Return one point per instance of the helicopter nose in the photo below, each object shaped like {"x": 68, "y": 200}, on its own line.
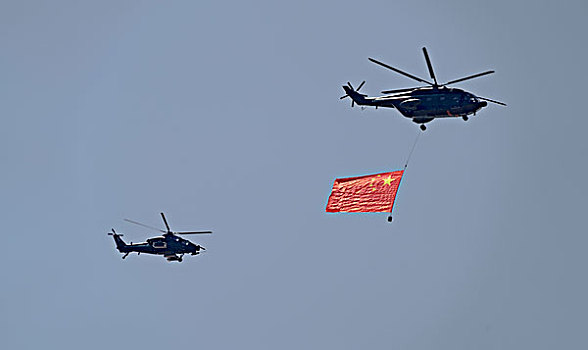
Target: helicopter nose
{"x": 196, "y": 249}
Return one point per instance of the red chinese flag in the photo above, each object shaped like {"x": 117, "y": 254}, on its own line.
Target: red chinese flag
{"x": 365, "y": 194}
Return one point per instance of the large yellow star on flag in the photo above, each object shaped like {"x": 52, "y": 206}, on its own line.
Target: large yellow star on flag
{"x": 389, "y": 179}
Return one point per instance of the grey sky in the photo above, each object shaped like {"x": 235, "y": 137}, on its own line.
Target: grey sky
{"x": 225, "y": 115}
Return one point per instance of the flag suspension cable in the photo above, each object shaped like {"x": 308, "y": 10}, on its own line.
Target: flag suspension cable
{"x": 412, "y": 149}
{"x": 406, "y": 165}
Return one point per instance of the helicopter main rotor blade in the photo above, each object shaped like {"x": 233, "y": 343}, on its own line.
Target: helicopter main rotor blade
{"x": 192, "y": 232}
{"x": 147, "y": 226}
{"x": 401, "y": 72}
{"x": 398, "y": 90}
{"x": 469, "y": 77}
{"x": 165, "y": 222}
{"x": 429, "y": 65}
{"x": 493, "y": 101}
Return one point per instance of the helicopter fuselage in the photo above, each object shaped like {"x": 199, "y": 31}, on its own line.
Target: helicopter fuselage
{"x": 433, "y": 103}
{"x": 164, "y": 245}
{"x": 424, "y": 104}
{"x": 169, "y": 245}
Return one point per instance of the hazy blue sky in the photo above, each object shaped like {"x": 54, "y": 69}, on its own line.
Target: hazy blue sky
{"x": 226, "y": 116}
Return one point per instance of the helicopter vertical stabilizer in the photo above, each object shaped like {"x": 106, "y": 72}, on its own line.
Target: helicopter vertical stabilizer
{"x": 120, "y": 244}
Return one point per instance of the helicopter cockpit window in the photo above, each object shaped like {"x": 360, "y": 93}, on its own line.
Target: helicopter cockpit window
{"x": 159, "y": 244}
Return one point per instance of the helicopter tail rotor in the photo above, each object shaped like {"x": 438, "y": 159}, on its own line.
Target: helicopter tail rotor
{"x": 113, "y": 233}
{"x": 349, "y": 91}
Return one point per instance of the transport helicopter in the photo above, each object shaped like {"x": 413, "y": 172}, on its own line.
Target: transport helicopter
{"x": 169, "y": 245}
{"x": 425, "y": 103}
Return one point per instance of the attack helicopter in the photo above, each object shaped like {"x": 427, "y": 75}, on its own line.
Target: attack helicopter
{"x": 425, "y": 103}
{"x": 169, "y": 245}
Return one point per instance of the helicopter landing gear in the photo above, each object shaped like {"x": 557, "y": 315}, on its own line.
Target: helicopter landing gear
{"x": 465, "y": 118}
{"x": 124, "y": 256}
{"x": 180, "y": 258}
{"x": 423, "y": 127}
